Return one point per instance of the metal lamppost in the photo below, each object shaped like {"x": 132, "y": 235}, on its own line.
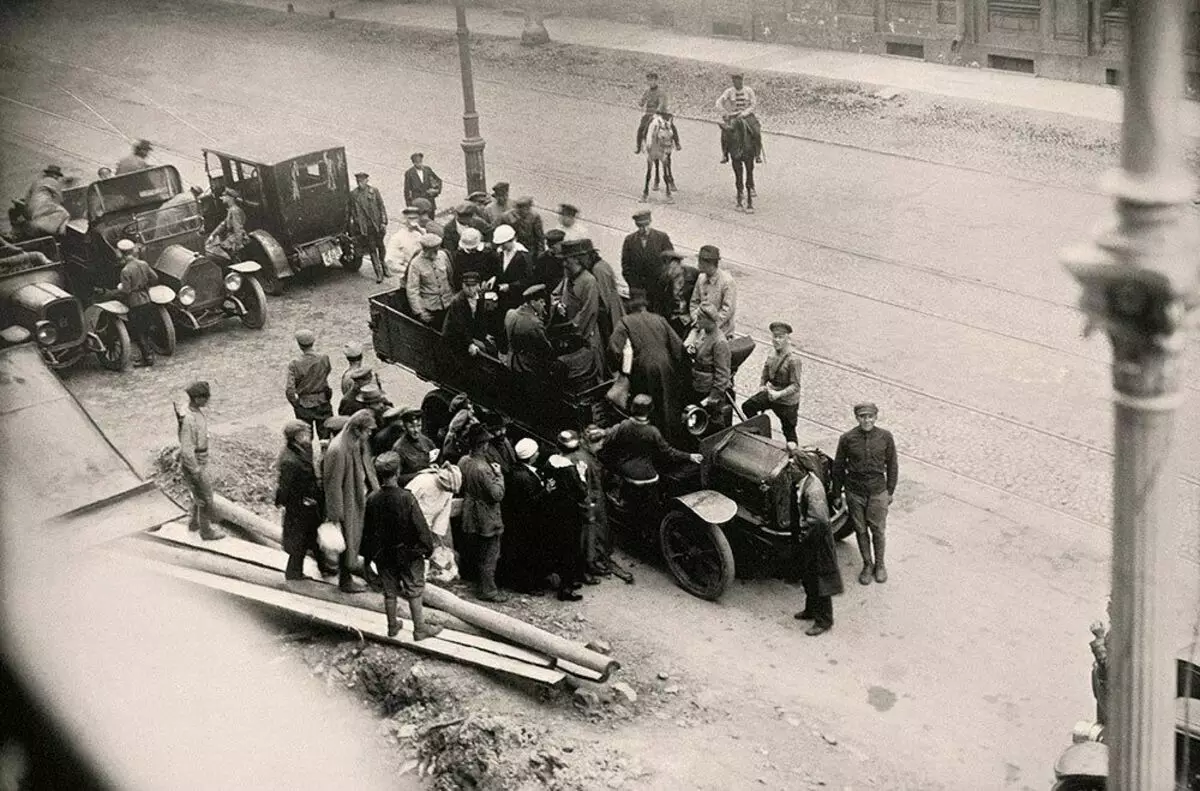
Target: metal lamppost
{"x": 1141, "y": 284}
{"x": 472, "y": 144}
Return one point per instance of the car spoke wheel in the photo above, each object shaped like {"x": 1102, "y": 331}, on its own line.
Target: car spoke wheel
{"x": 255, "y": 303}
{"x": 115, "y": 337}
{"x": 352, "y": 256}
{"x": 841, "y": 525}
{"x": 697, "y": 553}
{"x": 162, "y": 334}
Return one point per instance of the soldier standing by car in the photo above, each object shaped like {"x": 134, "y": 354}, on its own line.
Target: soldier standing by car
{"x": 307, "y": 388}
{"x": 193, "y": 461}
{"x": 368, "y": 220}
{"x": 229, "y": 237}
{"x": 817, "y": 555}
{"x": 134, "y": 288}
{"x": 483, "y": 492}
{"x": 427, "y": 283}
{"x": 866, "y": 469}
{"x": 779, "y": 388}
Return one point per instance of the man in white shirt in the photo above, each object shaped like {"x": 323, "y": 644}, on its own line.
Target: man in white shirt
{"x": 739, "y": 102}
{"x": 405, "y": 243}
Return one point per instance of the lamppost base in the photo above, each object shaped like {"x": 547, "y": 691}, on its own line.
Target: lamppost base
{"x": 473, "y": 154}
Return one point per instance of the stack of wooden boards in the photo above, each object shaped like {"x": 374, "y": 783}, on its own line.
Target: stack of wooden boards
{"x": 471, "y": 634}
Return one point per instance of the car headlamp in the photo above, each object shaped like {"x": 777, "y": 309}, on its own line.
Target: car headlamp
{"x": 187, "y": 296}
{"x": 233, "y": 281}
{"x": 46, "y": 333}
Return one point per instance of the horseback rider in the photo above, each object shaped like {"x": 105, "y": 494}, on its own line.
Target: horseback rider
{"x": 739, "y": 102}
{"x": 654, "y": 101}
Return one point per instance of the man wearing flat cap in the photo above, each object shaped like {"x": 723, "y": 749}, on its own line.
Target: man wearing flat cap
{"x": 641, "y": 253}
{"x": 715, "y": 287}
{"x": 354, "y": 362}
{"x": 547, "y": 267}
{"x": 307, "y": 387}
{"x": 866, "y": 469}
{"x": 137, "y": 159}
{"x": 528, "y": 225}
{"x": 229, "y": 237}
{"x": 368, "y": 221}
{"x": 568, "y": 220}
{"x": 193, "y": 460}
{"x": 404, "y": 244}
{"x": 421, "y": 182}
{"x": 299, "y": 494}
{"x": 482, "y": 519}
{"x": 134, "y": 289}
{"x": 427, "y": 283}
{"x": 529, "y": 347}
{"x": 671, "y": 295}
{"x": 779, "y": 386}
{"x": 466, "y": 328}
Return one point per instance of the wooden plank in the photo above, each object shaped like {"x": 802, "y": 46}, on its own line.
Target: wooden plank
{"x": 358, "y": 620}
{"x": 245, "y": 551}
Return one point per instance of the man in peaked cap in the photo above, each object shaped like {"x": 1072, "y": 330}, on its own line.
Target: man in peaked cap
{"x": 307, "y": 387}
{"x": 641, "y": 252}
{"x": 354, "y": 362}
{"x": 193, "y": 460}
{"x": 634, "y": 447}
{"x": 482, "y": 519}
{"x": 528, "y": 225}
{"x": 779, "y": 386}
{"x": 368, "y": 222}
{"x": 134, "y": 290}
{"x": 529, "y": 347}
{"x": 466, "y": 329}
{"x": 416, "y": 451}
{"x": 866, "y": 469}
{"x": 739, "y": 101}
{"x": 427, "y": 282}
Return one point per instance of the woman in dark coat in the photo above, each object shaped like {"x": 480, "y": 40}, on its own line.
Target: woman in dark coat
{"x": 565, "y": 496}
{"x": 300, "y": 496}
{"x": 657, "y": 363}
{"x": 817, "y": 560}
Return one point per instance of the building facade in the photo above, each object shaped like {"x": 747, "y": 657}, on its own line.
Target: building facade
{"x": 1079, "y": 40}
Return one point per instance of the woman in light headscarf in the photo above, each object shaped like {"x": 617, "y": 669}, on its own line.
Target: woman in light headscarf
{"x": 299, "y": 494}
{"x": 435, "y": 489}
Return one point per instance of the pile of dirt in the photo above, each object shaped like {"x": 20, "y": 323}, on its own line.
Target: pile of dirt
{"x": 241, "y": 468}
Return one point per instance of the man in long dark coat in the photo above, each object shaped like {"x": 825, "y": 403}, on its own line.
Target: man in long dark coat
{"x": 641, "y": 252}
{"x": 299, "y": 495}
{"x": 565, "y": 497}
{"x": 547, "y": 266}
{"x": 671, "y": 295}
{"x": 817, "y": 559}
{"x": 523, "y": 557}
{"x": 657, "y": 362}
{"x": 368, "y": 220}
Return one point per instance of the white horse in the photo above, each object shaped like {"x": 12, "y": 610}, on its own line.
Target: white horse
{"x": 658, "y": 144}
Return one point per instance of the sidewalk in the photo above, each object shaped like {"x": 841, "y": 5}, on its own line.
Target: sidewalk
{"x": 1097, "y": 102}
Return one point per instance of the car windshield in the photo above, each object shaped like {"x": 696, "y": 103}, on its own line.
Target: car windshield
{"x": 142, "y": 188}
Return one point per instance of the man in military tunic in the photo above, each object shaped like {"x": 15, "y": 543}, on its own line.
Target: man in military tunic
{"x": 307, "y": 386}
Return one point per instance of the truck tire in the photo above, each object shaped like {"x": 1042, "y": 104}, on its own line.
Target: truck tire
{"x": 697, "y": 553}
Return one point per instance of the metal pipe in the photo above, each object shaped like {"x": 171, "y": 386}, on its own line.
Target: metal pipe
{"x": 1140, "y": 281}
{"x": 472, "y": 144}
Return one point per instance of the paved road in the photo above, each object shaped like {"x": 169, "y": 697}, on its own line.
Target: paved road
{"x": 933, "y": 290}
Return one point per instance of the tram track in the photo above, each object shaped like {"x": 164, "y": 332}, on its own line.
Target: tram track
{"x": 570, "y": 179}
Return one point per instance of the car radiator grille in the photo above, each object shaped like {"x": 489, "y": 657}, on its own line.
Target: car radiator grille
{"x": 208, "y": 280}
{"x": 67, "y": 319}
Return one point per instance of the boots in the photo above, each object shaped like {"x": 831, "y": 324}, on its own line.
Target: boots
{"x": 393, "y": 621}
{"x": 346, "y": 582}
{"x": 880, "y": 541}
{"x": 421, "y": 630}
{"x": 864, "y": 549}
{"x": 295, "y": 568}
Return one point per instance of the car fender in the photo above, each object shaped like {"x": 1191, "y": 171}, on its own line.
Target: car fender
{"x": 710, "y": 506}
{"x": 15, "y": 334}
{"x": 113, "y": 307}
{"x": 1086, "y": 759}
{"x": 162, "y": 295}
{"x": 246, "y": 267}
{"x": 274, "y": 252}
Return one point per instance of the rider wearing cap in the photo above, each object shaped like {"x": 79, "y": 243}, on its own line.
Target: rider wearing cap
{"x": 739, "y": 102}
{"x": 134, "y": 288}
{"x": 229, "y": 237}
{"x": 654, "y": 100}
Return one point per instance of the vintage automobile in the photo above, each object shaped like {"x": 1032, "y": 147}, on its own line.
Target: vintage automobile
{"x": 152, "y": 208}
{"x": 34, "y": 303}
{"x": 295, "y": 191}
{"x": 1084, "y": 765}
{"x": 733, "y": 511}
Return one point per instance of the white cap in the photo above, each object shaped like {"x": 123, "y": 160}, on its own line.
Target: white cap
{"x": 503, "y": 233}
{"x": 526, "y": 449}
{"x": 126, "y": 246}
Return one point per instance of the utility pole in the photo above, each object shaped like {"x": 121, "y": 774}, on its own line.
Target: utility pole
{"x": 472, "y": 144}
{"x": 1141, "y": 285}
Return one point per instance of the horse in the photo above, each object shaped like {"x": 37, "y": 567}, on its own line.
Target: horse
{"x": 658, "y": 145}
{"x": 742, "y": 151}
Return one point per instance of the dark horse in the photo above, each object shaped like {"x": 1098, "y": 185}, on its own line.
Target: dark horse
{"x": 742, "y": 151}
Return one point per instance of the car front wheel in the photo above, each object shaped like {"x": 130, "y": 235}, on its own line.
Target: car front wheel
{"x": 254, "y": 300}
{"x": 352, "y": 256}
{"x": 697, "y": 553}
{"x": 114, "y": 336}
{"x": 162, "y": 333}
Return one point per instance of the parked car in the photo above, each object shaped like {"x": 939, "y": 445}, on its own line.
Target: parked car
{"x": 734, "y": 510}
{"x": 295, "y": 191}
{"x": 152, "y": 208}
{"x": 34, "y": 302}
